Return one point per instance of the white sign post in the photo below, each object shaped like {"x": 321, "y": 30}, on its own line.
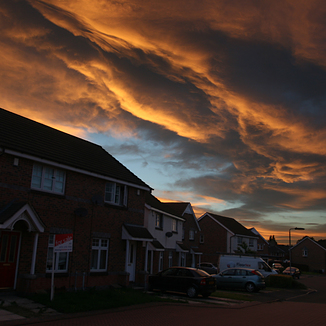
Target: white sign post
{"x": 62, "y": 243}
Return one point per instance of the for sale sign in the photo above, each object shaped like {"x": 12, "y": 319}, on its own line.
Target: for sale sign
{"x": 63, "y": 242}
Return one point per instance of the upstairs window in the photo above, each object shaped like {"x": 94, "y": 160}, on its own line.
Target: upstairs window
{"x": 305, "y": 252}
{"x": 174, "y": 225}
{"x": 159, "y": 221}
{"x": 191, "y": 234}
{"x": 116, "y": 194}
{"x": 48, "y": 179}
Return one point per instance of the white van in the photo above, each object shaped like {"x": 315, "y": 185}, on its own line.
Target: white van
{"x": 229, "y": 261}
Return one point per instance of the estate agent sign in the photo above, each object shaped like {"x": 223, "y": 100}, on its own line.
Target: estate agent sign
{"x": 62, "y": 243}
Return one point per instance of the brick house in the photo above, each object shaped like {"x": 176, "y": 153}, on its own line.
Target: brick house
{"x": 191, "y": 232}
{"x": 309, "y": 255}
{"x": 53, "y": 183}
{"x": 223, "y": 235}
{"x": 166, "y": 250}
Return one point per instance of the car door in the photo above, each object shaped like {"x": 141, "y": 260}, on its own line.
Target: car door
{"x": 169, "y": 279}
{"x": 228, "y": 277}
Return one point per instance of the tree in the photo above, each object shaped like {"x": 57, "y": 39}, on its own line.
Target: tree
{"x": 244, "y": 248}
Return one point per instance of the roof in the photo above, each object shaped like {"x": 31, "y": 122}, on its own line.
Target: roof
{"x": 182, "y": 209}
{"x": 138, "y": 232}
{"x": 178, "y": 207}
{"x": 162, "y": 207}
{"x": 231, "y": 224}
{"x": 306, "y": 238}
{"x": 29, "y": 137}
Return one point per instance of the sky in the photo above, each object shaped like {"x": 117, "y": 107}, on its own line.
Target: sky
{"x": 213, "y": 102}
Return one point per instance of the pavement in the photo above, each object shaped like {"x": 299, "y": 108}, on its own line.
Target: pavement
{"x": 14, "y": 307}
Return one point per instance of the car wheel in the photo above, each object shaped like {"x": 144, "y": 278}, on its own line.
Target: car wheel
{"x": 250, "y": 287}
{"x": 191, "y": 292}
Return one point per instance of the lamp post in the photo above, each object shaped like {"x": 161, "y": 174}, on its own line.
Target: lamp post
{"x": 290, "y": 242}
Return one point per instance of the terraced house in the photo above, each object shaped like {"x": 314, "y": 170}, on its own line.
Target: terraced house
{"x": 54, "y": 184}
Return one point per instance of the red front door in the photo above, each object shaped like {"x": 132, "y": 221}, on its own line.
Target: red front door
{"x": 9, "y": 242}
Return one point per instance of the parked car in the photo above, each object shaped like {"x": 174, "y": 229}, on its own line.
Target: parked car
{"x": 191, "y": 281}
{"x": 278, "y": 267}
{"x": 292, "y": 271}
{"x": 249, "y": 279}
{"x": 208, "y": 268}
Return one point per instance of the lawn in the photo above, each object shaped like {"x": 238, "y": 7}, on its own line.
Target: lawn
{"x": 90, "y": 300}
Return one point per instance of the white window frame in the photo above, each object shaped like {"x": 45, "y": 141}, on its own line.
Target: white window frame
{"x": 160, "y": 261}
{"x": 174, "y": 226}
{"x": 170, "y": 258}
{"x": 251, "y": 243}
{"x": 49, "y": 179}
{"x": 191, "y": 234}
{"x": 99, "y": 246}
{"x": 158, "y": 220}
{"x": 239, "y": 241}
{"x": 182, "y": 259}
{"x": 305, "y": 252}
{"x": 115, "y": 194}
{"x": 58, "y": 257}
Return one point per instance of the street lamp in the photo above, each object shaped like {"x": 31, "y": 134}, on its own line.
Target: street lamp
{"x": 290, "y": 241}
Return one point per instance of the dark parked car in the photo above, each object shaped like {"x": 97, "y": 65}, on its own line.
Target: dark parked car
{"x": 183, "y": 279}
{"x": 208, "y": 268}
{"x": 245, "y": 278}
{"x": 292, "y": 271}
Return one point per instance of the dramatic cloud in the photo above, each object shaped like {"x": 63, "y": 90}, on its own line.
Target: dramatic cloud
{"x": 214, "y": 102}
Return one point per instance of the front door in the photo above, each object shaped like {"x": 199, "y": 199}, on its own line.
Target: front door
{"x": 132, "y": 261}
{"x": 9, "y": 242}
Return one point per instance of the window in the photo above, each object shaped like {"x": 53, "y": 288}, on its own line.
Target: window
{"x": 182, "y": 259}
{"x": 158, "y": 221}
{"x": 48, "y": 179}
{"x": 60, "y": 258}
{"x": 99, "y": 259}
{"x": 160, "y": 263}
{"x": 174, "y": 225}
{"x": 116, "y": 193}
{"x": 240, "y": 240}
{"x": 260, "y": 246}
{"x": 251, "y": 243}
{"x": 201, "y": 238}
{"x": 191, "y": 234}
{"x": 170, "y": 258}
{"x": 305, "y": 252}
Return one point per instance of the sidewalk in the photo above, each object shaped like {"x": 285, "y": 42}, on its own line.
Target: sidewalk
{"x": 21, "y": 308}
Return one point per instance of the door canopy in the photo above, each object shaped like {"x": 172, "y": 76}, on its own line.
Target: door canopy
{"x": 17, "y": 212}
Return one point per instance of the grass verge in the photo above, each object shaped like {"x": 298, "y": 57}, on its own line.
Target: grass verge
{"x": 90, "y": 300}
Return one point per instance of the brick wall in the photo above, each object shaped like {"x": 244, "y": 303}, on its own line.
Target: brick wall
{"x": 57, "y": 211}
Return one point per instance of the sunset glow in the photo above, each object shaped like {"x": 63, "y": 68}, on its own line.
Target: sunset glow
{"x": 221, "y": 104}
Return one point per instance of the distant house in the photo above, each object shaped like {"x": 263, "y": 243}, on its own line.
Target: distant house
{"x": 262, "y": 244}
{"x": 54, "y": 184}
{"x": 224, "y": 235}
{"x": 309, "y": 255}
{"x": 192, "y": 235}
{"x": 166, "y": 227}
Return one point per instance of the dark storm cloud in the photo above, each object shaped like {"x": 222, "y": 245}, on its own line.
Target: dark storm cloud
{"x": 227, "y": 99}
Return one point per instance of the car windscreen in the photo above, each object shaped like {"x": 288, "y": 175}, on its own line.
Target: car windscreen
{"x": 201, "y": 272}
